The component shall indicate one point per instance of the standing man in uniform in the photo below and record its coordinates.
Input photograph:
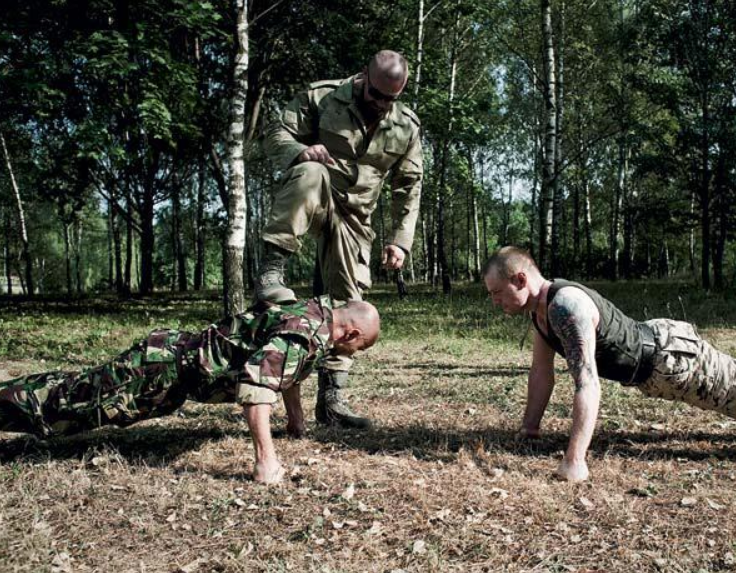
(336, 143)
(662, 358)
(247, 358)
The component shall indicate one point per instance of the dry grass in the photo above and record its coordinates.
(440, 485)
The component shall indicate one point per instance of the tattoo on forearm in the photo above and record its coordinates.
(571, 321)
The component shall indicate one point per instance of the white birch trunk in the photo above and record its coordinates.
(21, 219)
(548, 166)
(234, 292)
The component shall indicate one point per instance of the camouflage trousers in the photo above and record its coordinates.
(688, 369)
(152, 378)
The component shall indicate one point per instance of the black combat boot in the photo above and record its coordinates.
(332, 409)
(270, 282)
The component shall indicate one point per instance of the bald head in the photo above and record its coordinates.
(355, 326)
(389, 66)
(508, 261)
(363, 315)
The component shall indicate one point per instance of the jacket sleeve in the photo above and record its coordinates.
(406, 187)
(294, 130)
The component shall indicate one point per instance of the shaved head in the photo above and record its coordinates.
(389, 65)
(364, 315)
(508, 261)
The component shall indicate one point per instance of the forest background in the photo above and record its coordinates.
(599, 134)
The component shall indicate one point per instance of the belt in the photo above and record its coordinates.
(648, 349)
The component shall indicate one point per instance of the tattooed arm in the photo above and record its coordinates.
(539, 386)
(573, 316)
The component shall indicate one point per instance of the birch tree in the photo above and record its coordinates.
(20, 214)
(234, 288)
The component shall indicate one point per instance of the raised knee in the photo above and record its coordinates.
(309, 173)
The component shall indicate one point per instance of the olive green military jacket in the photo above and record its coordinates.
(327, 113)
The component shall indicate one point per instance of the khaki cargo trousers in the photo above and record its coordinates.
(688, 369)
(309, 202)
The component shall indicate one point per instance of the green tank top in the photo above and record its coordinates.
(619, 339)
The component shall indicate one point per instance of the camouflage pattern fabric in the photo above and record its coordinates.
(688, 369)
(271, 346)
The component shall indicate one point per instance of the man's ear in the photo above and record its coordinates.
(351, 334)
(519, 280)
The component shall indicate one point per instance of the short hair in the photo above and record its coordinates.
(391, 64)
(510, 260)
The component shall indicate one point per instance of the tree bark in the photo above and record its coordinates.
(558, 204)
(20, 213)
(546, 199)
(616, 200)
(78, 255)
(179, 248)
(234, 291)
(199, 231)
(68, 258)
(442, 187)
(127, 279)
(6, 252)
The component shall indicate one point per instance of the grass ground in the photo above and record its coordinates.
(440, 485)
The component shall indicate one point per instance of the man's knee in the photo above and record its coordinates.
(308, 181)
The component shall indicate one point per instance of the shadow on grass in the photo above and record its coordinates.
(435, 444)
(476, 371)
(155, 446)
(158, 446)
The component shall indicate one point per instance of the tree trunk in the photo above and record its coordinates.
(6, 252)
(588, 228)
(558, 204)
(234, 291)
(476, 238)
(719, 281)
(127, 279)
(110, 246)
(705, 195)
(629, 214)
(21, 220)
(535, 208)
(199, 231)
(442, 187)
(78, 255)
(616, 200)
(117, 247)
(68, 258)
(546, 199)
(180, 250)
(147, 239)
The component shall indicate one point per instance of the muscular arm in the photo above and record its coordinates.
(573, 316)
(539, 386)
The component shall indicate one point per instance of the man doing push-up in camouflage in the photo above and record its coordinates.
(247, 358)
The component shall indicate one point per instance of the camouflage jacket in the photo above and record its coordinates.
(273, 346)
(269, 345)
(327, 113)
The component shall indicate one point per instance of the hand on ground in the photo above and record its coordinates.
(572, 471)
(525, 433)
(269, 474)
(295, 430)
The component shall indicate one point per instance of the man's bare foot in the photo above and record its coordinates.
(269, 474)
(296, 431)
